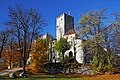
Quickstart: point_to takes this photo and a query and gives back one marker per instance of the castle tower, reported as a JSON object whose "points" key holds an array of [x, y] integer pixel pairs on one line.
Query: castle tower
{"points": [[64, 23]]}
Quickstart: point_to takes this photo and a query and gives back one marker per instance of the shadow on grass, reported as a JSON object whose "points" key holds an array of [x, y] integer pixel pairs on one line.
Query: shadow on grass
{"points": [[39, 78], [45, 76]]}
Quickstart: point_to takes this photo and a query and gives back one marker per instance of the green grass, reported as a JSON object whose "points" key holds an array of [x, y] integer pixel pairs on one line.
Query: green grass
{"points": [[45, 77], [48, 79]]}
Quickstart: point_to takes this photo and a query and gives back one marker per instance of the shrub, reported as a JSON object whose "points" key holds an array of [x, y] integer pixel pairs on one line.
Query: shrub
{"points": [[54, 68]]}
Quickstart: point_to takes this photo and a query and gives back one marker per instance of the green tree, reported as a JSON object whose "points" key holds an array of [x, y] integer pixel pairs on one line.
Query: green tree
{"points": [[92, 28], [61, 46]]}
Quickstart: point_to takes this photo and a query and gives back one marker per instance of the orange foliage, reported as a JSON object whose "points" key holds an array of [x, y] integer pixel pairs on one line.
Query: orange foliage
{"points": [[10, 57], [94, 77], [118, 61], [40, 46], [38, 55], [38, 61]]}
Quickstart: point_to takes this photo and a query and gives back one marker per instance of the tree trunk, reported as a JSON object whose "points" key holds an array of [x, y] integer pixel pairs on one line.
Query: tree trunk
{"points": [[1, 50], [24, 66], [63, 56], [25, 56], [0, 55], [20, 65], [10, 64]]}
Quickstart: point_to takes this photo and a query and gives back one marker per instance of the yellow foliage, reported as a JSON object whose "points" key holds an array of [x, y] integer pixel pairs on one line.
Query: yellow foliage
{"points": [[40, 46], [38, 55], [37, 62]]}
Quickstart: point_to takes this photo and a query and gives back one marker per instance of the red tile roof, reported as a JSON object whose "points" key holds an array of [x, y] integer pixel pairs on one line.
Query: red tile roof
{"points": [[70, 32]]}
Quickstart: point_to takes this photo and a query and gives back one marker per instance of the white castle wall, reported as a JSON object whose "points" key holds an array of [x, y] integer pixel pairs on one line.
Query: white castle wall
{"points": [[60, 23], [77, 44]]}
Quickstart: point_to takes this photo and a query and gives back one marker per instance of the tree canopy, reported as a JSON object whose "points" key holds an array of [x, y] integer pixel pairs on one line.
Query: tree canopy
{"points": [[97, 38], [25, 25], [39, 55], [61, 46]]}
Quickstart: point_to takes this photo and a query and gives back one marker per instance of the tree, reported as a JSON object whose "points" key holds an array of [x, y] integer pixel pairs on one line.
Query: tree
{"points": [[61, 46], [93, 30], [39, 55], [26, 25], [3, 40], [10, 57], [40, 46], [115, 35]]}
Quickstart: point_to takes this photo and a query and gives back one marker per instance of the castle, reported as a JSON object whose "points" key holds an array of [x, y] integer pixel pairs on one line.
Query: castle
{"points": [[65, 29]]}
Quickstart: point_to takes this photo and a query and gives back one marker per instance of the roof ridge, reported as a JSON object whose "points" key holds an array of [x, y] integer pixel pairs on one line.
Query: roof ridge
{"points": [[70, 32]]}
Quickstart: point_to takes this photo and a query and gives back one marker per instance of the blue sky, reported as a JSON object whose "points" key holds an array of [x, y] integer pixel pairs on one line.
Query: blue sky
{"points": [[50, 9]]}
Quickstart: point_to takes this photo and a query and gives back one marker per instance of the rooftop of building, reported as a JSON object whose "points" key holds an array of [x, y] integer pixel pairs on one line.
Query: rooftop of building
{"points": [[68, 14], [70, 32]]}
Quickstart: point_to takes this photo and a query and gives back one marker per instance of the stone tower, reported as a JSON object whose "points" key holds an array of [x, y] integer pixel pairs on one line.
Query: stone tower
{"points": [[64, 23]]}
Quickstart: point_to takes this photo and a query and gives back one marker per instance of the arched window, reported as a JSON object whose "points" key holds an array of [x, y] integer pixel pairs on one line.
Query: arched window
{"points": [[70, 54]]}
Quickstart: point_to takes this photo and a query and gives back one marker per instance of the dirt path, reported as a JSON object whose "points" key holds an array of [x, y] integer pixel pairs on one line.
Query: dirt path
{"points": [[5, 72]]}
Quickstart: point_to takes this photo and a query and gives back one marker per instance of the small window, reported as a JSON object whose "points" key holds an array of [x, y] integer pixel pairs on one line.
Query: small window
{"points": [[70, 54], [67, 37]]}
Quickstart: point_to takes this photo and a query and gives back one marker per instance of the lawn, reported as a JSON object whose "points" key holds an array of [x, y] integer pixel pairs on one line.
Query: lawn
{"points": [[97, 77], [47, 79], [46, 76]]}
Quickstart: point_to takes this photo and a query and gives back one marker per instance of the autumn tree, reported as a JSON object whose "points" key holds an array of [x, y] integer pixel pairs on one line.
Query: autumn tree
{"points": [[39, 55], [61, 46], [26, 25], [96, 36], [10, 57]]}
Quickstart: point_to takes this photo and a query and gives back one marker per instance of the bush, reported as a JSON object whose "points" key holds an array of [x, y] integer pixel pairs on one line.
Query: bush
{"points": [[54, 68]]}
